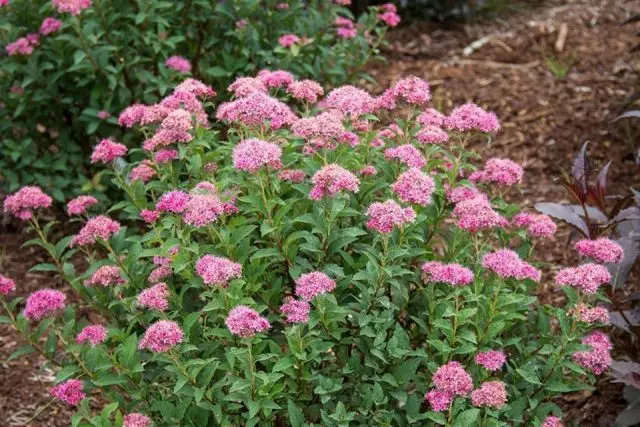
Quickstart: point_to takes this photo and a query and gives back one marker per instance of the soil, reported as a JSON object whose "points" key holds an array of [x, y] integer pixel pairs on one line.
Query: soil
{"points": [[549, 100]]}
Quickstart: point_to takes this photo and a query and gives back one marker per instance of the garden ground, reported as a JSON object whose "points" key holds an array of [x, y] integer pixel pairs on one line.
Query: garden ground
{"points": [[556, 75]]}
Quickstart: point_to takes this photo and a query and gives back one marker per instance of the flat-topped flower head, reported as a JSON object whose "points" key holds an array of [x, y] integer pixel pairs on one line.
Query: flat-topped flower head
{"points": [[202, 209], [92, 334], [160, 273], [499, 171], [462, 193], [22, 203], [143, 115], [74, 7], [431, 135], [413, 90], [173, 201], [218, 271], [390, 18], [49, 26], [44, 303], [491, 360], [80, 204], [552, 421], [156, 297], [179, 103], [246, 322], [178, 63], [407, 154], [7, 285], [508, 265], [252, 154], [295, 311], [587, 314], [598, 358], [149, 216], [243, 86], [275, 79], [21, 46], [292, 175], [601, 250], [414, 186], [452, 378], [257, 110], [108, 150], [439, 400], [537, 225], [136, 419], [107, 275], [492, 394], [165, 155], [196, 87], [586, 277], [323, 131], [161, 336], [477, 214], [384, 216], [453, 274], [305, 90], [288, 40], [332, 179], [431, 117], [99, 227], [310, 285], [349, 100], [70, 392], [470, 117], [368, 170]]}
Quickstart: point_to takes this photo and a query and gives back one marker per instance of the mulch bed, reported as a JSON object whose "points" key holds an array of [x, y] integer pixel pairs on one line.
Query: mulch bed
{"points": [[546, 116]]}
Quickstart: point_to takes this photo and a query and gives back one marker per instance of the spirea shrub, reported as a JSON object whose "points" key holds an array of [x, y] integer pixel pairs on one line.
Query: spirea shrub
{"points": [[316, 264], [68, 67]]}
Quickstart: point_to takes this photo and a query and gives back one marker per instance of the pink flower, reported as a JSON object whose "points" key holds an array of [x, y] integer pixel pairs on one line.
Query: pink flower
{"points": [[22, 203], [7, 285], [107, 275], [253, 154], [136, 419], [305, 90], [386, 215], [94, 334], [507, 264], [217, 270], [4, 3], [452, 378], [310, 285], [598, 359], [275, 79], [178, 63], [552, 421], [537, 225], [103, 115], [73, 7], [439, 400], [587, 277], [44, 303], [256, 110], [392, 19], [246, 322], [165, 155], [453, 274], [588, 314], [349, 100], [413, 90], [462, 193], [477, 214], [149, 216], [202, 209], [601, 250], [432, 135], [243, 86], [292, 175], [431, 117], [70, 392], [161, 336], [80, 204], [346, 33], [138, 114], [107, 150], [49, 26], [407, 154], [241, 24], [368, 170], [343, 2], [490, 393], [492, 360], [288, 40], [22, 46], [499, 171], [282, 6], [386, 101], [196, 87], [178, 103], [33, 39], [143, 172], [413, 186], [99, 227], [295, 311], [173, 201], [323, 131], [332, 179], [156, 297], [160, 273], [470, 117]]}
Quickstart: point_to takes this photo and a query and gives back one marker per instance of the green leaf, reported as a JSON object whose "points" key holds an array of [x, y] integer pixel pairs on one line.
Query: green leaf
{"points": [[27, 349], [530, 377], [466, 418], [283, 364]]}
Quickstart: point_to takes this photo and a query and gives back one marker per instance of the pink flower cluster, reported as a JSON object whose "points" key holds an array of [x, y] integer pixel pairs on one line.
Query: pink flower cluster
{"points": [[470, 117], [305, 90], [202, 209], [492, 360], [106, 275], [349, 100], [149, 216], [586, 277], [295, 311], [257, 110], [414, 186], [450, 380], [310, 285], [22, 203], [156, 297], [244, 86], [246, 322], [499, 171], [288, 40], [49, 26], [275, 79], [165, 155], [330, 180], [93, 334], [44, 303], [323, 131], [431, 117], [537, 225], [552, 421], [99, 227], [431, 135], [383, 216], [74, 7], [389, 14], [253, 154], [23, 46], [588, 314], [453, 274], [108, 150], [80, 204], [345, 28], [601, 250], [7, 285], [462, 193], [491, 393], [412, 90], [178, 63], [70, 392], [598, 359], [173, 201], [217, 270], [161, 336], [507, 264], [407, 154], [477, 214], [136, 419], [292, 175], [143, 172]]}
